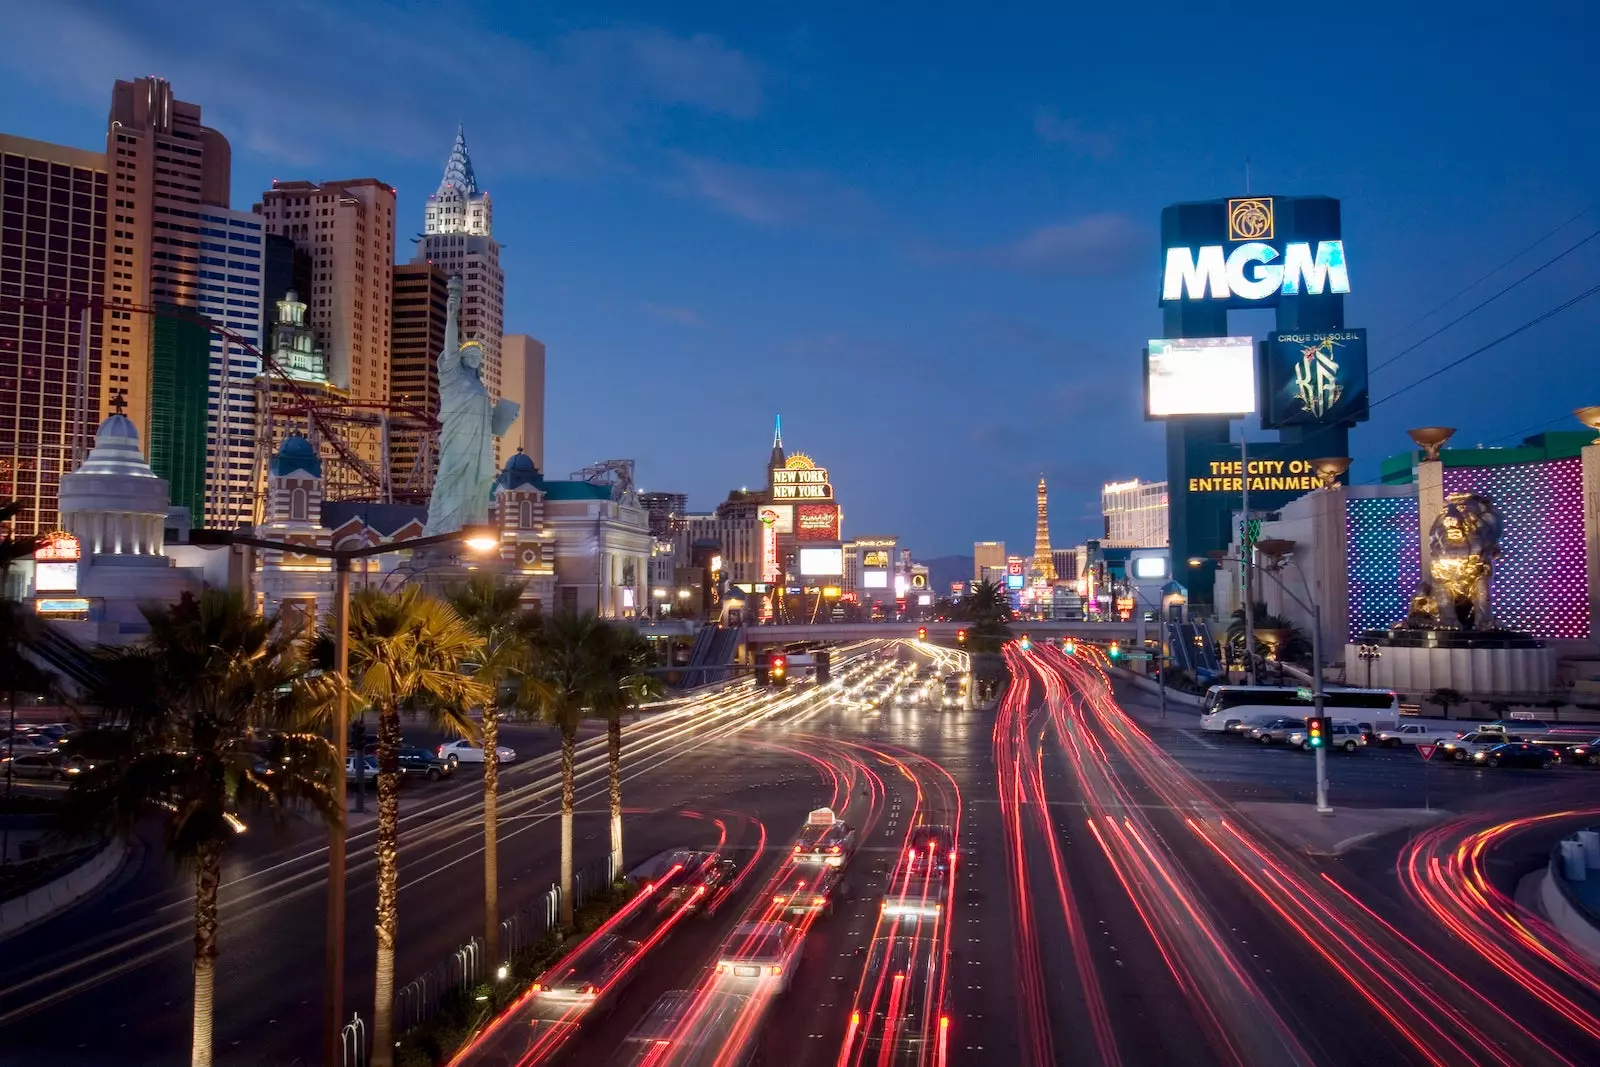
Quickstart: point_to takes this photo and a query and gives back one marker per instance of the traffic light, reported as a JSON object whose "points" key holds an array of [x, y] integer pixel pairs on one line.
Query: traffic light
{"points": [[824, 661], [1316, 732], [922, 633], [1069, 646], [1026, 643], [778, 669], [961, 637], [1114, 651]]}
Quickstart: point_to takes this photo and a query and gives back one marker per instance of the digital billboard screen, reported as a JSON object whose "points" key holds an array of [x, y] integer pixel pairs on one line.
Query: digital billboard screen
{"points": [[816, 522], [1315, 379], [822, 561], [778, 516], [1200, 376], [1014, 582], [1149, 567], [874, 579], [877, 557]]}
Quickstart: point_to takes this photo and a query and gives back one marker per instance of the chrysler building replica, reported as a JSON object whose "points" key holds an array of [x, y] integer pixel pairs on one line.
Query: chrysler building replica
{"points": [[458, 235]]}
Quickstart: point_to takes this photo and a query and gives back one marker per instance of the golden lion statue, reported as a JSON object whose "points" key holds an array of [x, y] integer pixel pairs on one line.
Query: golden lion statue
{"points": [[1463, 543]]}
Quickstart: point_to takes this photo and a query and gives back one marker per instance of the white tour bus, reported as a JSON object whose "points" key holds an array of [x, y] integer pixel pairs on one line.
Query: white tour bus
{"points": [[1380, 707]]}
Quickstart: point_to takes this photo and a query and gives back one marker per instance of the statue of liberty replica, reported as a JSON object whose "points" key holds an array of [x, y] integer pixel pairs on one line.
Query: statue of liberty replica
{"points": [[470, 419]]}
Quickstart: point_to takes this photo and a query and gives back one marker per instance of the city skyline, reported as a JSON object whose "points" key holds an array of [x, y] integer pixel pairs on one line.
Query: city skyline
{"points": [[1024, 252]]}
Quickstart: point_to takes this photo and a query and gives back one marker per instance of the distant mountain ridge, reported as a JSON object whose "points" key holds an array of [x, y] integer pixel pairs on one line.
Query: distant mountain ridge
{"points": [[943, 570]]}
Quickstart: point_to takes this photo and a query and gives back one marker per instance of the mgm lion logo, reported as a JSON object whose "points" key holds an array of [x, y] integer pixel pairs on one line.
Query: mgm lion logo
{"points": [[1250, 219], [1463, 543]]}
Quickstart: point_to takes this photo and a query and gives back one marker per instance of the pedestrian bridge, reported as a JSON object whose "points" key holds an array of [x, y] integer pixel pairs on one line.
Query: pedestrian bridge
{"points": [[942, 633]]}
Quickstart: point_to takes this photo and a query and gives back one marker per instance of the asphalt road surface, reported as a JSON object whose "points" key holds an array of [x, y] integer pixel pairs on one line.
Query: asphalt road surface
{"points": [[1109, 904]]}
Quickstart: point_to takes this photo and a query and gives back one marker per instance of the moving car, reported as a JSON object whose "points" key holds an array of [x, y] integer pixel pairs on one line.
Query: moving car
{"points": [[707, 881], [1407, 733], [1276, 730], [895, 1018], [1515, 754], [825, 839], [465, 751], [51, 766], [661, 1036], [811, 894], [920, 884], [587, 977], [759, 957], [1460, 749], [1345, 736], [420, 763], [1586, 752]]}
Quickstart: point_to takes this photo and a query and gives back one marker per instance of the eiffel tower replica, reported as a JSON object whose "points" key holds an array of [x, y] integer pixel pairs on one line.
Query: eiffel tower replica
{"points": [[1043, 562]]}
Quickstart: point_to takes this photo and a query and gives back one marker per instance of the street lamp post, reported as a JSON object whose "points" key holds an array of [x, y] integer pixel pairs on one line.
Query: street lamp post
{"points": [[479, 540], [1369, 652]]}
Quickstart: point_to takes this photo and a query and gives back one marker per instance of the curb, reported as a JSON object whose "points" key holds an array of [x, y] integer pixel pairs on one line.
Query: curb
{"points": [[57, 896]]}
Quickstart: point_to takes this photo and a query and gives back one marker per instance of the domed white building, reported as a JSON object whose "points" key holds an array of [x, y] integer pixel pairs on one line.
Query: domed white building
{"points": [[117, 509]]}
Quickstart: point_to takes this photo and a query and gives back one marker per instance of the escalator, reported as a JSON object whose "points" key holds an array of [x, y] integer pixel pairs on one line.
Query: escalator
{"points": [[63, 655]]}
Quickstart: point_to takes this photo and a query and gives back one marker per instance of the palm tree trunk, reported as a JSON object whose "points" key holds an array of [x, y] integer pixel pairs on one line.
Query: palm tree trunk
{"points": [[491, 834], [569, 751], [614, 772], [388, 885], [207, 881]]}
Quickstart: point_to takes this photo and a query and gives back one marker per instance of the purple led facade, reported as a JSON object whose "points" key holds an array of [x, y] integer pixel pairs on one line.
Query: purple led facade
{"points": [[1381, 560], [1541, 579]]}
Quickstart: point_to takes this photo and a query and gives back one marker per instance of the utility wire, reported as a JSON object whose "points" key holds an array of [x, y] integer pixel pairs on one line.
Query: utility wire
{"points": [[1558, 309], [1425, 316], [1486, 301]]}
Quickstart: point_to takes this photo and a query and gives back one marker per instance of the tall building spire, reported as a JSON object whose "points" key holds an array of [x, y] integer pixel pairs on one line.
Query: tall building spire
{"points": [[1043, 562], [778, 458], [458, 169]]}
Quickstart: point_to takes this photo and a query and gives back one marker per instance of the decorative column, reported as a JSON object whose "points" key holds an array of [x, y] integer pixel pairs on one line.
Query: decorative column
{"points": [[1590, 417], [1430, 486]]}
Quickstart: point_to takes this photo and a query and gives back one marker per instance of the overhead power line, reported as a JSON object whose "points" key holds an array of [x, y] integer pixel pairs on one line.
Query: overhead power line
{"points": [[1486, 301]]}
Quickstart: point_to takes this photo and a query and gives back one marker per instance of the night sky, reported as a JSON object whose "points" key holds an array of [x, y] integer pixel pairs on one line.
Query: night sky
{"points": [[929, 242]]}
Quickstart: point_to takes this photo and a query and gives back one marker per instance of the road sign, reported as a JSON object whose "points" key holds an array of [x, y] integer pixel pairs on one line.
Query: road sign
{"points": [[1426, 751]]}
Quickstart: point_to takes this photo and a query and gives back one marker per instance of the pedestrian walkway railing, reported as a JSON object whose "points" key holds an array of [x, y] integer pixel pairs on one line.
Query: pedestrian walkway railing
{"points": [[353, 1042], [418, 1001]]}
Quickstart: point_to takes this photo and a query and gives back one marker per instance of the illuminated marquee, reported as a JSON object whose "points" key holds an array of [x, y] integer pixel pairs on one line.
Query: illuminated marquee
{"points": [[816, 522], [1250, 273], [1266, 475], [801, 479], [55, 564]]}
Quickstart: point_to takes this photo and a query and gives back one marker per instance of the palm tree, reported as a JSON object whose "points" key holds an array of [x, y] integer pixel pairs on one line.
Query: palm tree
{"points": [[573, 660], [196, 696], [406, 648], [626, 657], [988, 603], [1293, 646], [494, 610]]}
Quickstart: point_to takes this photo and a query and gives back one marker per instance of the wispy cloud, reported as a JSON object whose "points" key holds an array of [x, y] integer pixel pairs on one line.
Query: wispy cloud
{"points": [[384, 80], [773, 197], [1054, 129], [1091, 246], [682, 316]]}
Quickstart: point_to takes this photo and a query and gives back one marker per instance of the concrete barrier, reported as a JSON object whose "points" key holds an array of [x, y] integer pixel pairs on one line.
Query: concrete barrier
{"points": [[1149, 685], [62, 893]]}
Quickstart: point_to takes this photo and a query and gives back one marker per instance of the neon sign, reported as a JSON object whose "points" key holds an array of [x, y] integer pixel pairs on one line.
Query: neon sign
{"points": [[1250, 273]]}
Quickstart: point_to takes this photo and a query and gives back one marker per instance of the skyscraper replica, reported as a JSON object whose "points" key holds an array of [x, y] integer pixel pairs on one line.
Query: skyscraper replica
{"points": [[458, 235]]}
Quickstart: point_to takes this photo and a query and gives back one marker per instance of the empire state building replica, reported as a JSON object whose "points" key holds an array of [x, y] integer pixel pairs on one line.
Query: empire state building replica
{"points": [[1043, 563]]}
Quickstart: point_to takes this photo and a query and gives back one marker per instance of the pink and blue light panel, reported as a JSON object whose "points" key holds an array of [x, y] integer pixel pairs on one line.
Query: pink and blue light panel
{"points": [[1381, 560], [1541, 578]]}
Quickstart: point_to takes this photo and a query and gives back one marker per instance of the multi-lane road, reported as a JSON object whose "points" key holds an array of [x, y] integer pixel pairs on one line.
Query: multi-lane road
{"points": [[1119, 898]]}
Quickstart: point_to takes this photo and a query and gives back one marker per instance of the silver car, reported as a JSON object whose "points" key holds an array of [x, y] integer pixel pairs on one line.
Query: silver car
{"points": [[1276, 731]]}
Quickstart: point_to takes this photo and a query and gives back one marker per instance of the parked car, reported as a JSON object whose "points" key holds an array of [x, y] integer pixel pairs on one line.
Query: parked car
{"points": [[36, 764], [1276, 730], [471, 752], [1345, 736], [1515, 754], [369, 772]]}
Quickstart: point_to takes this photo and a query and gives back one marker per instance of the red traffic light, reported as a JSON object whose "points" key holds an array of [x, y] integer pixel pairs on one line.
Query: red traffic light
{"points": [[922, 633], [961, 636], [777, 665]]}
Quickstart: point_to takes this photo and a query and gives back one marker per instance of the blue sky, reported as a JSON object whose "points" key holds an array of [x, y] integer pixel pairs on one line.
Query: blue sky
{"points": [[929, 241]]}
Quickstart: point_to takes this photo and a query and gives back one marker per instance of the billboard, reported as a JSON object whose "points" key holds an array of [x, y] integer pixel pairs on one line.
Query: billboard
{"points": [[816, 522], [1240, 254], [821, 561], [874, 579], [877, 557], [1014, 582], [1314, 378], [801, 479], [1200, 376], [778, 516]]}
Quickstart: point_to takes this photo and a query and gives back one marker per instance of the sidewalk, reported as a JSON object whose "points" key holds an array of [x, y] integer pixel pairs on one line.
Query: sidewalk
{"points": [[1302, 827]]}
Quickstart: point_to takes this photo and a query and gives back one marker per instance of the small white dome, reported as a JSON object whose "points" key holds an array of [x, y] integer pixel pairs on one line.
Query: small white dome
{"points": [[116, 450]]}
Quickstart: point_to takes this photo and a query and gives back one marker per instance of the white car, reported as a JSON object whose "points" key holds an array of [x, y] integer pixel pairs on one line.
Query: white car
{"points": [[759, 957], [470, 752]]}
